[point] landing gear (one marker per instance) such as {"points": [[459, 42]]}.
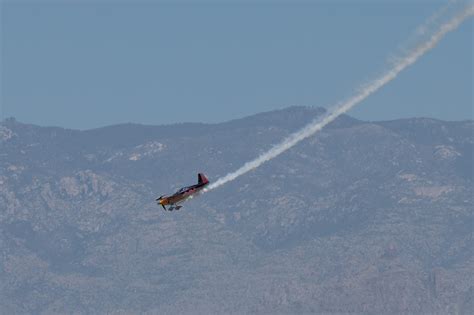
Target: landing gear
{"points": [[174, 208]]}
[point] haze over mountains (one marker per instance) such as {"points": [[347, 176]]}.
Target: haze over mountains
{"points": [[364, 217]]}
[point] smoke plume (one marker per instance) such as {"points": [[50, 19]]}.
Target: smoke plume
{"points": [[411, 57]]}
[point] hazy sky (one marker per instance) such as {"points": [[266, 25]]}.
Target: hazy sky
{"points": [[94, 63]]}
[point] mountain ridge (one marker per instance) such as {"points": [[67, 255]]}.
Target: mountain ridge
{"points": [[362, 217]]}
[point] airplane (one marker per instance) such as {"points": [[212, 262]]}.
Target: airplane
{"points": [[182, 195]]}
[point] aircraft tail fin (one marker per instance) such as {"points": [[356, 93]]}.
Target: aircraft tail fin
{"points": [[202, 179]]}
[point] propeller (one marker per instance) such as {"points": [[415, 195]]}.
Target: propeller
{"points": [[158, 199]]}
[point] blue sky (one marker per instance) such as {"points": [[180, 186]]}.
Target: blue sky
{"points": [[95, 63]]}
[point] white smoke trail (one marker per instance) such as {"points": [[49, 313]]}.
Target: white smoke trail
{"points": [[343, 107], [425, 27]]}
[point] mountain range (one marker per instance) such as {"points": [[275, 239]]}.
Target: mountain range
{"points": [[363, 217]]}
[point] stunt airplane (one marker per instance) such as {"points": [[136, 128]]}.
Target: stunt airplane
{"points": [[183, 194]]}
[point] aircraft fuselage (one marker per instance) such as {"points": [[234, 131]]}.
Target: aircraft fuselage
{"points": [[182, 194]]}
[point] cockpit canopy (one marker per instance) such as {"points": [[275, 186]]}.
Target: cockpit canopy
{"points": [[182, 190]]}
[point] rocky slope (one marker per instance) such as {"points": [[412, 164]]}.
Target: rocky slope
{"points": [[364, 217]]}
